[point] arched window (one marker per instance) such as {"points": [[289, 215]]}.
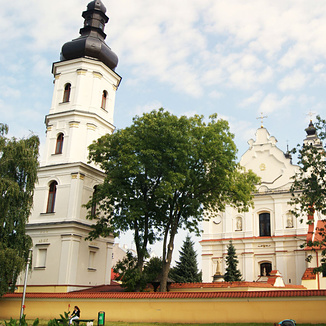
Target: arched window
{"points": [[104, 98], [51, 198], [265, 269], [93, 208], [264, 225], [59, 144], [66, 93]]}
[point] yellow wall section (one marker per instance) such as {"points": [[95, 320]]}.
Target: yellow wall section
{"points": [[246, 310]]}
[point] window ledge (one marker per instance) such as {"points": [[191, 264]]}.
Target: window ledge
{"points": [[39, 267], [48, 213], [91, 269]]}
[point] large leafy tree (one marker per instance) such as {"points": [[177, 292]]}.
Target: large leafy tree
{"points": [[309, 184], [162, 172], [232, 274], [18, 174], [186, 269]]}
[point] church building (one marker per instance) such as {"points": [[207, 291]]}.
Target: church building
{"points": [[85, 83], [268, 236]]}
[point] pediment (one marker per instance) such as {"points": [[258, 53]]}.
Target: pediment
{"points": [[265, 159]]}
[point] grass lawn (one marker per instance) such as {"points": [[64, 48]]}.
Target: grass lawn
{"points": [[45, 322]]}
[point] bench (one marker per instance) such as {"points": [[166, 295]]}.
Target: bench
{"points": [[89, 322]]}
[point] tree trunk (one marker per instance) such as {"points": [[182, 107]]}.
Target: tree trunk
{"points": [[167, 262]]}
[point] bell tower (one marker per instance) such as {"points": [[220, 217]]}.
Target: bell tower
{"points": [[85, 83]]}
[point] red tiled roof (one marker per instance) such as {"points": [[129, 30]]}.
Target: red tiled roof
{"points": [[273, 275], [113, 287], [173, 295], [221, 285], [309, 274], [217, 285]]}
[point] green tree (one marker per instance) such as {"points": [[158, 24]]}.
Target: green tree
{"points": [[232, 273], [309, 184], [162, 172], [186, 269], [18, 174], [128, 273], [152, 269]]}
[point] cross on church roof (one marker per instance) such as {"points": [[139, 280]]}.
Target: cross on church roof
{"points": [[311, 114], [262, 117]]}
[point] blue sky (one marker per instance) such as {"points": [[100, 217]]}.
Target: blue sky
{"points": [[233, 57]]}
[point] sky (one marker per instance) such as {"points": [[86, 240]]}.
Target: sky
{"points": [[236, 58]]}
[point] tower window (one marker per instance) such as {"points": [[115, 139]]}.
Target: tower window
{"points": [[66, 93], [51, 198], [264, 225], [104, 98], [59, 144], [93, 208]]}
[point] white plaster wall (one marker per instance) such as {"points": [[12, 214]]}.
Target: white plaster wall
{"points": [[282, 249]]}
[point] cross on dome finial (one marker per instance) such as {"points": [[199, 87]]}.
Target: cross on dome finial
{"points": [[262, 117], [311, 114]]}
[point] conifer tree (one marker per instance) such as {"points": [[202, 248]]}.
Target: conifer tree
{"points": [[232, 273], [186, 270]]}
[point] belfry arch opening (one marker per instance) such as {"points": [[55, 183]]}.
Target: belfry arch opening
{"points": [[51, 197], [59, 144], [66, 93]]}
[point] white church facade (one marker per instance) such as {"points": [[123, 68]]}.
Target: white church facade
{"points": [[82, 110], [267, 237]]}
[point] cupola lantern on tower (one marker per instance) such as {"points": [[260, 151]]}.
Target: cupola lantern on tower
{"points": [[312, 137], [91, 41]]}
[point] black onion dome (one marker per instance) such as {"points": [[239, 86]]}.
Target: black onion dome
{"points": [[91, 41], [97, 4], [311, 130]]}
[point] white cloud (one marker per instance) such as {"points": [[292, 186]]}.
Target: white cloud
{"points": [[272, 103], [200, 39], [146, 108], [215, 94], [318, 67], [8, 91], [292, 81], [253, 99]]}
